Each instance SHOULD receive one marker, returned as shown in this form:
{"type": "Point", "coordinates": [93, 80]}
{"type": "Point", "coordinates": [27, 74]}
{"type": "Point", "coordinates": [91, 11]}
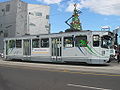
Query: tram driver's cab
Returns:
{"type": "Point", "coordinates": [107, 44]}
{"type": "Point", "coordinates": [106, 41]}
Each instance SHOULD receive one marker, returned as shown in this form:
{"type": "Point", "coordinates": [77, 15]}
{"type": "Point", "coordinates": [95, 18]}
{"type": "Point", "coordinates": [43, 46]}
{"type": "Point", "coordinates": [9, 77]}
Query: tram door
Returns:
{"type": "Point", "coordinates": [56, 49]}
{"type": "Point", "coordinates": [27, 47]}
{"type": "Point", "coordinates": [7, 47]}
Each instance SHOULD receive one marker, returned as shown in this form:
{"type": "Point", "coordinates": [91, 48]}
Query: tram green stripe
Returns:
{"type": "Point", "coordinates": [87, 50]}
{"type": "Point", "coordinates": [95, 53]}
{"type": "Point", "coordinates": [91, 50]}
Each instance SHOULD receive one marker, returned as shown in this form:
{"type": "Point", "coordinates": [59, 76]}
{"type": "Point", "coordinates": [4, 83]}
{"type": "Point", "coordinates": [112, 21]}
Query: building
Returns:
{"type": "Point", "coordinates": [18, 18]}
{"type": "Point", "coordinates": [117, 32]}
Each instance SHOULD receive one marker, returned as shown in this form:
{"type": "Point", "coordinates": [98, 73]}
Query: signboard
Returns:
{"type": "Point", "coordinates": [40, 50]}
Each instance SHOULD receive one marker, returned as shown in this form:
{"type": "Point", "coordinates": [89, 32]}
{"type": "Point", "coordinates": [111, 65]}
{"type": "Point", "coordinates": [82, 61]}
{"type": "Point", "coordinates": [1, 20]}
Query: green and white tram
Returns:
{"type": "Point", "coordinates": [92, 47]}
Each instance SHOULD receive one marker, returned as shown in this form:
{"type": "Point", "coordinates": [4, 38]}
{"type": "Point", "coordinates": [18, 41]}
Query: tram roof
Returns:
{"type": "Point", "coordinates": [52, 34]}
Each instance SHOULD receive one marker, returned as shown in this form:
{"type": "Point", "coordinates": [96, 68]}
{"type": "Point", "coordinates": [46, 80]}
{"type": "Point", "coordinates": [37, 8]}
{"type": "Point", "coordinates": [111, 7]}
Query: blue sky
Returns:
{"type": "Point", "coordinates": [95, 13]}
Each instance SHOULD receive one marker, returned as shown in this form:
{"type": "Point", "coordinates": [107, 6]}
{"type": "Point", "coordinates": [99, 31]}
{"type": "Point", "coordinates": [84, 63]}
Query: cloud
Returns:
{"type": "Point", "coordinates": [104, 7]}
{"type": "Point", "coordinates": [70, 7]}
{"type": "Point", "coordinates": [51, 1]}
{"type": "Point", "coordinates": [60, 7]}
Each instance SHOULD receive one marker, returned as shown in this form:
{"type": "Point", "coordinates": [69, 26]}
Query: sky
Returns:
{"type": "Point", "coordinates": [95, 13]}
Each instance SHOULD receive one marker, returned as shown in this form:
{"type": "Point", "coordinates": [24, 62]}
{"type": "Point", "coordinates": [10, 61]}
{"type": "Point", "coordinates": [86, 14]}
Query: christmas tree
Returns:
{"type": "Point", "coordinates": [75, 24]}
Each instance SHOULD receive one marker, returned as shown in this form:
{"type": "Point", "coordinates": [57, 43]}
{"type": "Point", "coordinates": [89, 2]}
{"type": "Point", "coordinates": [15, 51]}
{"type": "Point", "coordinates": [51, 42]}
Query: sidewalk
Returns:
{"type": "Point", "coordinates": [110, 68]}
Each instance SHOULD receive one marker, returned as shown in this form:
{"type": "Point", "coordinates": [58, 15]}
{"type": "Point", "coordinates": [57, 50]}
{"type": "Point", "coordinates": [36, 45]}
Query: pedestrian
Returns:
{"type": "Point", "coordinates": [118, 55]}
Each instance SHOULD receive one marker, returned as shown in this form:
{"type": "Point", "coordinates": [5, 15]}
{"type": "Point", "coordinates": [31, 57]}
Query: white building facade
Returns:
{"type": "Point", "coordinates": [18, 18]}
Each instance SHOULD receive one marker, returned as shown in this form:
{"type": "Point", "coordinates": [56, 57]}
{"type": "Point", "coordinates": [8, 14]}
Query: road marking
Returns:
{"type": "Point", "coordinates": [89, 87]}
{"type": "Point", "coordinates": [95, 74]}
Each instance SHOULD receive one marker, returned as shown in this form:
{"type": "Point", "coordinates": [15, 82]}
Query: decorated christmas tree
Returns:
{"type": "Point", "coordinates": [75, 19]}
{"type": "Point", "coordinates": [75, 24]}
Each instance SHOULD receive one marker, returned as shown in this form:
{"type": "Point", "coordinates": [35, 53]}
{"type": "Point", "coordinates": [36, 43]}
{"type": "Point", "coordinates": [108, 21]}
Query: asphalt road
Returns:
{"type": "Point", "coordinates": [22, 78]}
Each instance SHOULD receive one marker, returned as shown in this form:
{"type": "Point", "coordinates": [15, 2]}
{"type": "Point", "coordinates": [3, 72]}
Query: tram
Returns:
{"type": "Point", "coordinates": [92, 47]}
{"type": "Point", "coordinates": [73, 45]}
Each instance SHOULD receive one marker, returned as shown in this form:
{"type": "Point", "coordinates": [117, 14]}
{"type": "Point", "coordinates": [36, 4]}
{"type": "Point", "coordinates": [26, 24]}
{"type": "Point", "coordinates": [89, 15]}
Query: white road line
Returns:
{"type": "Point", "coordinates": [89, 87]}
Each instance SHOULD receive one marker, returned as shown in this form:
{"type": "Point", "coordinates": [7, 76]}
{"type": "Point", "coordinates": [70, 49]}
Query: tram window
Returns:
{"type": "Point", "coordinates": [106, 41]}
{"type": "Point", "coordinates": [96, 40]}
{"type": "Point", "coordinates": [45, 42]}
{"type": "Point", "coordinates": [18, 43]}
{"type": "Point", "coordinates": [68, 42]}
{"type": "Point", "coordinates": [11, 43]}
{"type": "Point", "coordinates": [81, 41]}
{"type": "Point", "coordinates": [35, 43]}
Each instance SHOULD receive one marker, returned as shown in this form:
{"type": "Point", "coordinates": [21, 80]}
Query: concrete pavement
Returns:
{"type": "Point", "coordinates": [109, 68]}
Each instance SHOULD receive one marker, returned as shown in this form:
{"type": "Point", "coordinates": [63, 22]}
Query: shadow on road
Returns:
{"type": "Point", "coordinates": [66, 63]}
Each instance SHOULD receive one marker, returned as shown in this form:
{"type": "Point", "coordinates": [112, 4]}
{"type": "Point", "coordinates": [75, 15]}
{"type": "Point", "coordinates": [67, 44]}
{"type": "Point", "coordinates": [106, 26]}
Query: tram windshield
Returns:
{"type": "Point", "coordinates": [106, 42]}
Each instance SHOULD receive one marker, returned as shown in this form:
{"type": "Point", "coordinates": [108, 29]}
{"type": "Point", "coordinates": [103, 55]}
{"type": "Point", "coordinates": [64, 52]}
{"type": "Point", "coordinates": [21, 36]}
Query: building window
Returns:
{"type": "Point", "coordinates": [1, 32]}
{"type": "Point", "coordinates": [38, 14]}
{"type": "Point", "coordinates": [32, 24]}
{"type": "Point", "coordinates": [45, 42]}
{"type": "Point", "coordinates": [3, 10]}
{"type": "Point", "coordinates": [8, 8]}
{"type": "Point", "coordinates": [68, 42]}
{"type": "Point", "coordinates": [18, 43]}
{"type": "Point", "coordinates": [96, 40]}
{"type": "Point", "coordinates": [11, 43]}
{"type": "Point", "coordinates": [5, 34]}
{"type": "Point", "coordinates": [46, 26]}
{"type": "Point", "coordinates": [31, 13]}
{"type": "Point", "coordinates": [47, 16]}
{"type": "Point", "coordinates": [0, 25]}
{"type": "Point", "coordinates": [81, 41]}
{"type": "Point", "coordinates": [35, 43]}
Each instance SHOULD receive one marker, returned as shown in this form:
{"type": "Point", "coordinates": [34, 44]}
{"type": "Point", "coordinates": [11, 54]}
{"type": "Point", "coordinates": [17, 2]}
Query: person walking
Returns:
{"type": "Point", "coordinates": [118, 56]}
{"type": "Point", "coordinates": [118, 53]}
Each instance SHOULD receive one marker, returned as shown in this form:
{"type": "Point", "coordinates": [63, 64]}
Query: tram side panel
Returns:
{"type": "Point", "coordinates": [13, 49]}
{"type": "Point", "coordinates": [40, 54]}
{"type": "Point", "coordinates": [40, 49]}
{"type": "Point", "coordinates": [25, 49]}
{"type": "Point", "coordinates": [81, 50]}
{"type": "Point", "coordinates": [74, 48]}
{"type": "Point", "coordinates": [84, 49]}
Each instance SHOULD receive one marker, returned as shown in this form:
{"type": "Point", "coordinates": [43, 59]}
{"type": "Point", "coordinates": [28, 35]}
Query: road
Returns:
{"type": "Point", "coordinates": [24, 78]}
